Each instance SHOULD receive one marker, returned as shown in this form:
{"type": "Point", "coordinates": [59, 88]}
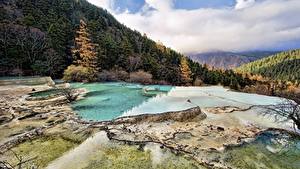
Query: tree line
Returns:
{"type": "Point", "coordinates": [86, 43]}
{"type": "Point", "coordinates": [281, 66]}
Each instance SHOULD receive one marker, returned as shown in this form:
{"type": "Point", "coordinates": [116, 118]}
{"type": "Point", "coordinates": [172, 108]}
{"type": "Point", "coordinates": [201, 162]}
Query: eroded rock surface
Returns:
{"type": "Point", "coordinates": [195, 136]}
{"type": "Point", "coordinates": [199, 133]}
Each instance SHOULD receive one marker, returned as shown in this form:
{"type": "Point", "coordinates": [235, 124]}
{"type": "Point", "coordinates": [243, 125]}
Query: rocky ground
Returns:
{"type": "Point", "coordinates": [43, 130]}
{"type": "Point", "coordinates": [22, 121]}
{"type": "Point", "coordinates": [195, 136]}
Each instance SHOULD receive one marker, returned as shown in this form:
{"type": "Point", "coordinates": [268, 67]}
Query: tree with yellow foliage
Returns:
{"type": "Point", "coordinates": [186, 72]}
{"type": "Point", "coordinates": [85, 65]}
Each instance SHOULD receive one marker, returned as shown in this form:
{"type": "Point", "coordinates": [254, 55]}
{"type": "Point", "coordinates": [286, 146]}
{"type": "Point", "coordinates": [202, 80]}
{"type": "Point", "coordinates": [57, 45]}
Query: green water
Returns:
{"type": "Point", "coordinates": [106, 101]}
{"type": "Point", "coordinates": [270, 150]}
{"type": "Point", "coordinates": [46, 93]}
{"type": "Point", "coordinates": [17, 77]}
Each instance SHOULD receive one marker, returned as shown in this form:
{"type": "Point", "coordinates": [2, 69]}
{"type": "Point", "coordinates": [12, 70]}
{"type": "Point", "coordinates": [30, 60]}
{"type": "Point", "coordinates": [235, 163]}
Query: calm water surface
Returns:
{"type": "Point", "coordinates": [106, 101]}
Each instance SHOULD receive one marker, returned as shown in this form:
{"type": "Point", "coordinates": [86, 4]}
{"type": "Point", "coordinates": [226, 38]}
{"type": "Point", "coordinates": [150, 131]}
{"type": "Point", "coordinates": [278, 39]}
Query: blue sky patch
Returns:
{"type": "Point", "coordinates": [134, 6]}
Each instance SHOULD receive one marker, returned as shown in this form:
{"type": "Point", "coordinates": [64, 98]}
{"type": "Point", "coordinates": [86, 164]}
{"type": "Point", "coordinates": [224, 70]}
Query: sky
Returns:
{"type": "Point", "coordinates": [195, 26]}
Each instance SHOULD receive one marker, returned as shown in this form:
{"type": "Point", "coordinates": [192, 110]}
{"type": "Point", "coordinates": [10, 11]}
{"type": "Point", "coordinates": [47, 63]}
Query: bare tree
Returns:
{"type": "Point", "coordinates": [288, 109]}
{"type": "Point", "coordinates": [134, 63]}
{"type": "Point", "coordinates": [53, 62]}
{"type": "Point", "coordinates": [70, 94]}
{"type": "Point", "coordinates": [32, 41]}
{"type": "Point", "coordinates": [4, 38]}
{"type": "Point", "coordinates": [140, 77]}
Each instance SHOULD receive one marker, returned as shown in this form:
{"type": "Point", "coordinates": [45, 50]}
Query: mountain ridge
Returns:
{"type": "Point", "coordinates": [281, 66]}
{"type": "Point", "coordinates": [228, 60]}
{"type": "Point", "coordinates": [37, 38]}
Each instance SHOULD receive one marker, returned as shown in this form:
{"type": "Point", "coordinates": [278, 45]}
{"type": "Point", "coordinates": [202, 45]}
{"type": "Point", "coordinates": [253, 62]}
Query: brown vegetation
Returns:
{"type": "Point", "coordinates": [112, 75]}
{"type": "Point", "coordinates": [85, 65]}
{"type": "Point", "coordinates": [186, 72]}
{"type": "Point", "coordinates": [77, 74]}
{"type": "Point", "coordinates": [140, 77]}
{"type": "Point", "coordinates": [70, 94]}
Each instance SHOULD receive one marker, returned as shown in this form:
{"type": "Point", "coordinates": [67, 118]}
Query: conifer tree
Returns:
{"type": "Point", "coordinates": [186, 72]}
{"type": "Point", "coordinates": [84, 50]}
{"type": "Point", "coordinates": [85, 66]}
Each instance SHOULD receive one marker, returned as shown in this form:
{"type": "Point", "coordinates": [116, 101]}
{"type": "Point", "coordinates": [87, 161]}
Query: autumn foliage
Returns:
{"type": "Point", "coordinates": [186, 72]}
{"type": "Point", "coordinates": [85, 67]}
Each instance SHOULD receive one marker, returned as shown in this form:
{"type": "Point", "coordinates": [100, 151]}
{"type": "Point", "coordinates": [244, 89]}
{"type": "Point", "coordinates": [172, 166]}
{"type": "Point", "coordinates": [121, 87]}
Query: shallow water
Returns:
{"type": "Point", "coordinates": [45, 93]}
{"type": "Point", "coordinates": [98, 152]}
{"type": "Point", "coordinates": [106, 101]}
{"type": "Point", "coordinates": [177, 99]}
{"type": "Point", "coordinates": [78, 157]}
{"type": "Point", "coordinates": [270, 150]}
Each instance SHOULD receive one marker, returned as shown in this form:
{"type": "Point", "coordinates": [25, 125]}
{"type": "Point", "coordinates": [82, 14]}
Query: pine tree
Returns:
{"type": "Point", "coordinates": [84, 50]}
{"type": "Point", "coordinates": [85, 66]}
{"type": "Point", "coordinates": [186, 72]}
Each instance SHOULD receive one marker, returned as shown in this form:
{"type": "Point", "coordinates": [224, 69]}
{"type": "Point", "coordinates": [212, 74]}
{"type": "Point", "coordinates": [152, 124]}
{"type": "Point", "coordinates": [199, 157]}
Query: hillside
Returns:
{"type": "Point", "coordinates": [37, 38]}
{"type": "Point", "coordinates": [40, 34]}
{"type": "Point", "coordinates": [228, 60]}
{"type": "Point", "coordinates": [281, 66]}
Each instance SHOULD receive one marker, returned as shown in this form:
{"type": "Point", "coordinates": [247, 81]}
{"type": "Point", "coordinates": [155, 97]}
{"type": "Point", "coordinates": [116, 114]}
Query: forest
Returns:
{"type": "Point", "coordinates": [159, 109]}
{"type": "Point", "coordinates": [281, 66]}
{"type": "Point", "coordinates": [38, 37]}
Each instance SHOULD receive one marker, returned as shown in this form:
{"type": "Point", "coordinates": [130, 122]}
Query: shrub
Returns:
{"type": "Point", "coordinates": [17, 72]}
{"type": "Point", "coordinates": [70, 94]}
{"type": "Point", "coordinates": [78, 74]}
{"type": "Point", "coordinates": [140, 77]}
{"type": "Point", "coordinates": [122, 75]}
{"type": "Point", "coordinates": [162, 82]}
{"type": "Point", "coordinates": [198, 82]}
{"type": "Point", "coordinates": [106, 75]}
{"type": "Point", "coordinates": [113, 75]}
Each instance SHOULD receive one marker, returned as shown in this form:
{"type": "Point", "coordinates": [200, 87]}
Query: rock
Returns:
{"type": "Point", "coordinates": [141, 147]}
{"type": "Point", "coordinates": [183, 135]}
{"type": "Point", "coordinates": [4, 119]}
{"type": "Point", "coordinates": [180, 116]}
{"type": "Point", "coordinates": [220, 128]}
{"type": "Point", "coordinates": [215, 159]}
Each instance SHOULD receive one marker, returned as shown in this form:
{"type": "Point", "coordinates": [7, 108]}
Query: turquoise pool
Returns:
{"type": "Point", "coordinates": [106, 101]}
{"type": "Point", "coordinates": [270, 150]}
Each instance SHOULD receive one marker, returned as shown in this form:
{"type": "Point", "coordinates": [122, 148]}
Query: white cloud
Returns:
{"type": "Point", "coordinates": [161, 5]}
{"type": "Point", "coordinates": [107, 4]}
{"type": "Point", "coordinates": [246, 26]}
{"type": "Point", "coordinates": [240, 4]}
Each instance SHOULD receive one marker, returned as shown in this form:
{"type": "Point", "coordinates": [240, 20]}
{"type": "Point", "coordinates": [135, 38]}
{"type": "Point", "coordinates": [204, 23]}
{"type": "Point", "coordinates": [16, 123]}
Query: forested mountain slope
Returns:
{"type": "Point", "coordinates": [228, 60]}
{"type": "Point", "coordinates": [281, 66]}
{"type": "Point", "coordinates": [37, 37]}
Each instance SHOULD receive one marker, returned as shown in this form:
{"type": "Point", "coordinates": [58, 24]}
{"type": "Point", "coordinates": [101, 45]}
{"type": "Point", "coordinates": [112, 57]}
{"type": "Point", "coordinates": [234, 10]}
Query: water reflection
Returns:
{"type": "Point", "coordinates": [106, 101]}
{"type": "Point", "coordinates": [270, 149]}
